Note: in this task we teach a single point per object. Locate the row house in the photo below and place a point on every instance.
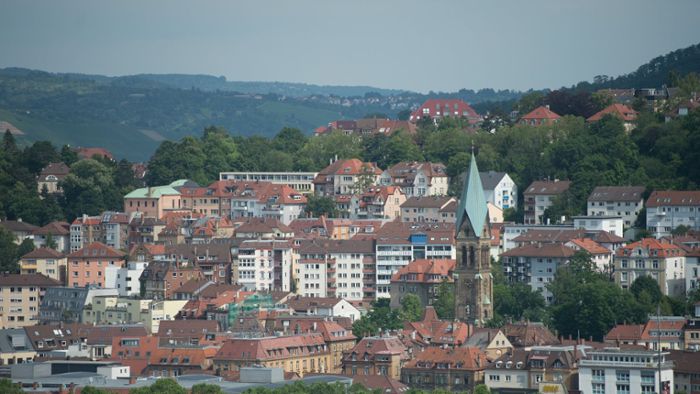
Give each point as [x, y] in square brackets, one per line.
[540, 369]
[399, 243]
[417, 179]
[499, 189]
[109, 228]
[664, 262]
[426, 209]
[539, 196]
[624, 201]
[377, 202]
[87, 266]
[344, 177]
[20, 298]
[300, 354]
[423, 278]
[50, 176]
[376, 356]
[160, 279]
[44, 261]
[436, 109]
[265, 265]
[303, 182]
[666, 210]
[535, 265]
[445, 368]
[629, 371]
[154, 201]
[57, 232]
[540, 116]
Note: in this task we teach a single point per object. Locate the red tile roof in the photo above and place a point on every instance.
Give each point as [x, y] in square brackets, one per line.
[621, 111]
[540, 113]
[271, 348]
[463, 358]
[662, 249]
[590, 246]
[27, 280]
[43, 253]
[438, 108]
[96, 250]
[547, 187]
[625, 332]
[349, 167]
[673, 198]
[54, 228]
[87, 153]
[425, 271]
[544, 250]
[372, 346]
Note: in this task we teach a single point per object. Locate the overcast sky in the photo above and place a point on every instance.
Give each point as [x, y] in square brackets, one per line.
[416, 45]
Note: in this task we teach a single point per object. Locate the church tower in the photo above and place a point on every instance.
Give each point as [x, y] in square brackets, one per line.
[473, 280]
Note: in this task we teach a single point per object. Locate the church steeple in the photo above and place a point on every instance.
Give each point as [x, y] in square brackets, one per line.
[472, 204]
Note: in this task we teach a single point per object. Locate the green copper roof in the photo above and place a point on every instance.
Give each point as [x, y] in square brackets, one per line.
[472, 204]
[179, 182]
[152, 192]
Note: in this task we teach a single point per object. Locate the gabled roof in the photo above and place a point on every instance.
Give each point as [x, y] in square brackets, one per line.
[674, 198]
[424, 271]
[54, 228]
[661, 249]
[383, 383]
[187, 328]
[590, 246]
[27, 280]
[436, 202]
[529, 334]
[43, 253]
[548, 187]
[491, 179]
[544, 250]
[153, 192]
[97, 250]
[18, 226]
[473, 202]
[372, 346]
[463, 358]
[541, 112]
[625, 332]
[621, 111]
[350, 167]
[270, 347]
[59, 169]
[617, 193]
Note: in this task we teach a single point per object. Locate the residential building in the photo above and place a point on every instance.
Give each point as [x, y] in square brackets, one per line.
[125, 278]
[611, 224]
[346, 177]
[90, 152]
[214, 260]
[535, 265]
[367, 127]
[557, 234]
[499, 189]
[160, 279]
[20, 297]
[113, 309]
[540, 116]
[616, 370]
[263, 228]
[66, 304]
[666, 210]
[109, 228]
[686, 371]
[512, 231]
[528, 334]
[624, 201]
[301, 354]
[45, 261]
[431, 331]
[50, 176]
[323, 306]
[450, 369]
[423, 278]
[19, 229]
[664, 331]
[425, 209]
[265, 265]
[377, 202]
[88, 265]
[145, 230]
[544, 369]
[436, 109]
[627, 115]
[15, 347]
[46, 339]
[153, 201]
[539, 196]
[491, 341]
[161, 310]
[664, 262]
[57, 232]
[600, 256]
[376, 356]
[417, 179]
[302, 182]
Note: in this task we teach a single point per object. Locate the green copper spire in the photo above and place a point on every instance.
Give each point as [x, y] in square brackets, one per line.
[472, 204]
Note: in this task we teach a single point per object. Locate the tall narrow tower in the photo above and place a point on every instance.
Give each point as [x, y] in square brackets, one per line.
[473, 280]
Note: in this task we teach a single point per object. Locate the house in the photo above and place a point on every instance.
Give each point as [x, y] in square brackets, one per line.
[627, 115]
[417, 178]
[383, 384]
[540, 116]
[666, 210]
[19, 229]
[526, 334]
[346, 177]
[377, 202]
[376, 356]
[63, 304]
[88, 265]
[499, 189]
[624, 201]
[89, 153]
[664, 331]
[45, 261]
[115, 310]
[625, 334]
[187, 332]
[445, 368]
[367, 127]
[431, 331]
[302, 354]
[601, 256]
[423, 278]
[323, 306]
[50, 176]
[175, 361]
[539, 370]
[683, 109]
[109, 228]
[436, 109]
[492, 341]
[539, 196]
[664, 262]
[153, 201]
[160, 279]
[99, 338]
[535, 265]
[425, 209]
[263, 228]
[214, 260]
[145, 230]
[212, 298]
[610, 224]
[20, 297]
[15, 347]
[615, 369]
[57, 232]
[50, 338]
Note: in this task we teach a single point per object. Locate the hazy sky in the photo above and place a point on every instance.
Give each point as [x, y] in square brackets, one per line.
[417, 45]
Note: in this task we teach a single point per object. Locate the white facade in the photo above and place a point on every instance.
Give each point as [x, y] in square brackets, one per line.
[627, 210]
[512, 231]
[312, 277]
[265, 265]
[348, 275]
[616, 371]
[611, 224]
[669, 271]
[504, 194]
[661, 220]
[692, 274]
[300, 181]
[62, 242]
[125, 279]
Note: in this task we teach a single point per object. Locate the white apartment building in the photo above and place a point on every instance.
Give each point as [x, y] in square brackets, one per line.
[125, 279]
[539, 196]
[510, 231]
[623, 201]
[265, 265]
[417, 179]
[611, 224]
[499, 189]
[302, 182]
[666, 210]
[665, 262]
[615, 371]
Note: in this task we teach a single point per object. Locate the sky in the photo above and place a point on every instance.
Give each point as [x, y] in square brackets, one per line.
[436, 45]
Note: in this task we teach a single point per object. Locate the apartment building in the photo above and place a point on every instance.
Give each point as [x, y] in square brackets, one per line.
[377, 202]
[426, 209]
[539, 196]
[45, 261]
[302, 182]
[436, 109]
[126, 278]
[20, 297]
[615, 370]
[87, 266]
[422, 278]
[666, 210]
[499, 189]
[153, 201]
[449, 369]
[623, 201]
[58, 232]
[417, 179]
[535, 265]
[664, 262]
[376, 356]
[540, 369]
[265, 265]
[109, 228]
[344, 176]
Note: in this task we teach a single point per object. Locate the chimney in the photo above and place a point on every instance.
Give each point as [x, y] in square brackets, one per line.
[547, 106]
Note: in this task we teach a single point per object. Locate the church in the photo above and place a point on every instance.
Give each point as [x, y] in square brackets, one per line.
[472, 275]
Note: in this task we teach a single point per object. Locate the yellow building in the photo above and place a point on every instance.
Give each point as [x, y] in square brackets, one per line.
[302, 354]
[116, 310]
[45, 261]
[162, 310]
[15, 347]
[20, 297]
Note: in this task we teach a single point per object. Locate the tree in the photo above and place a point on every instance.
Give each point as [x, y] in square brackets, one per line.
[317, 206]
[365, 179]
[445, 303]
[680, 230]
[50, 242]
[205, 388]
[289, 140]
[380, 317]
[68, 155]
[8, 387]
[482, 389]
[411, 309]
[645, 284]
[8, 252]
[25, 247]
[161, 386]
[93, 390]
[90, 189]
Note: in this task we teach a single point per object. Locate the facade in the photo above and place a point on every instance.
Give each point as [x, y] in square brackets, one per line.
[20, 297]
[265, 265]
[302, 182]
[601, 256]
[50, 176]
[115, 310]
[535, 265]
[345, 177]
[539, 196]
[15, 347]
[58, 232]
[152, 201]
[624, 201]
[87, 266]
[63, 304]
[125, 279]
[666, 210]
[425, 209]
[451, 369]
[160, 279]
[541, 369]
[417, 179]
[376, 356]
[499, 189]
[422, 278]
[377, 202]
[109, 228]
[665, 262]
[326, 306]
[540, 116]
[611, 224]
[629, 371]
[44, 261]
[472, 277]
[436, 109]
